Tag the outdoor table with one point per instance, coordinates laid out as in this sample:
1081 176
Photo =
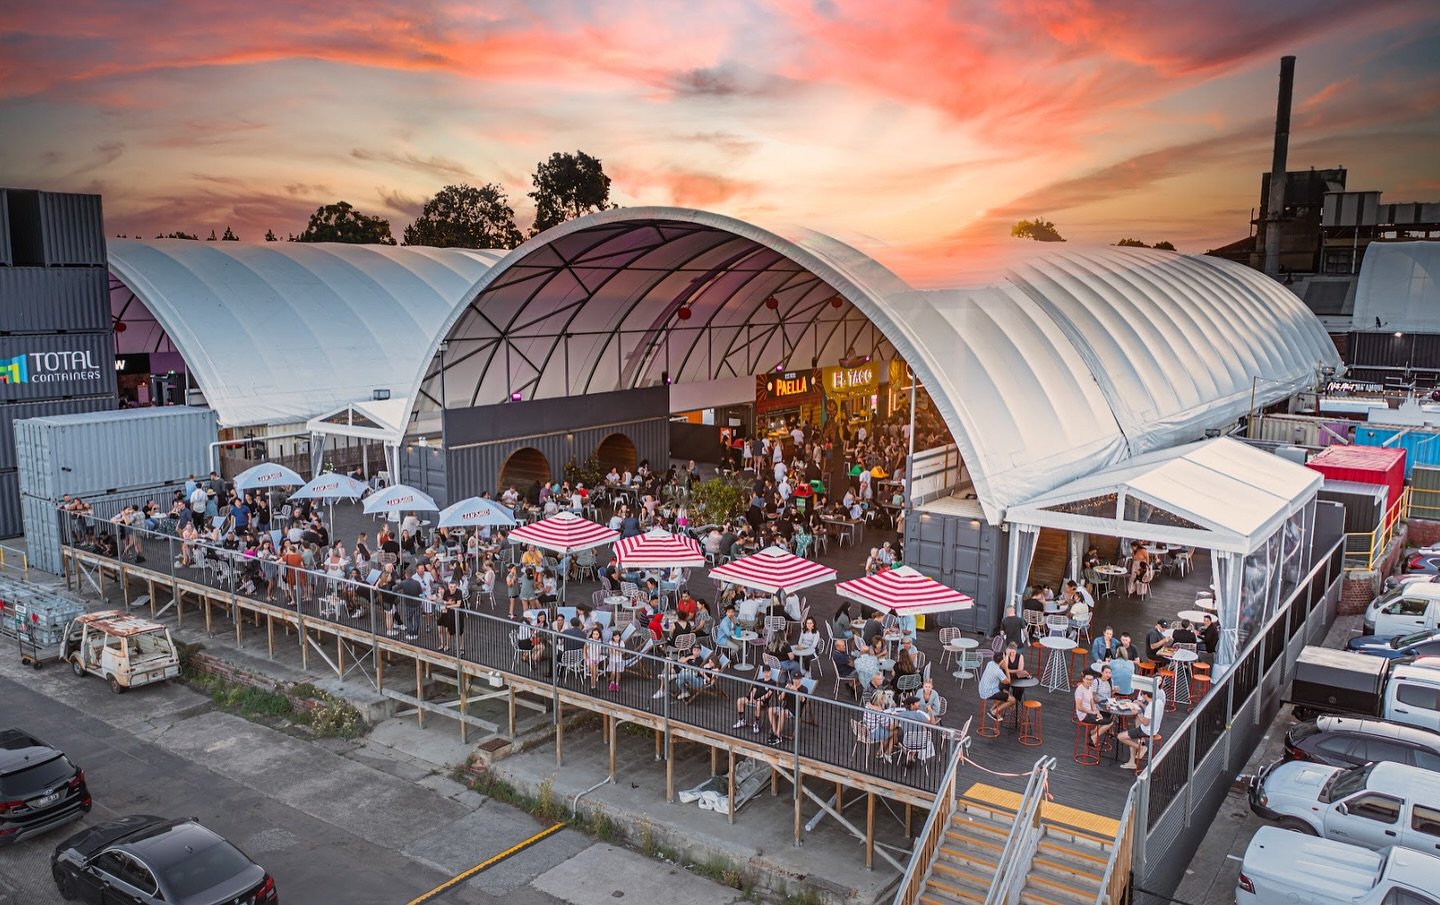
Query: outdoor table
1098 665
1111 572
850 525
802 651
1057 671
1055 608
1206 603
886 664
617 600
959 646
1195 616
744 639
1027 682
890 637
1180 661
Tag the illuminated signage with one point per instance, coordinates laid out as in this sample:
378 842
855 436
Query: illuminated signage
50 367
847 381
791 383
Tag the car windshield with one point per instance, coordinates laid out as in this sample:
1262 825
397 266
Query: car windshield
1345 782
1407 640
204 869
24 783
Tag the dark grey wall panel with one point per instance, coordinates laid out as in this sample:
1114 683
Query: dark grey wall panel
11 523
45 366
545 416
700 442
11 412
474 469
423 467
964 555
56 228
54 299
6 258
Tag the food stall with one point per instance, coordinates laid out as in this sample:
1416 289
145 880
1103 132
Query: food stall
851 394
784 399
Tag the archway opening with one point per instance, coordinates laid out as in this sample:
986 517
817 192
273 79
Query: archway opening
617 451
523 468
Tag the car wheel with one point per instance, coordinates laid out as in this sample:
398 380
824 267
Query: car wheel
64 883
115 686
1298 826
77 666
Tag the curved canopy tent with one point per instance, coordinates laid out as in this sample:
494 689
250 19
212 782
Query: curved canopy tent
1255 511
278 332
1399 288
1070 362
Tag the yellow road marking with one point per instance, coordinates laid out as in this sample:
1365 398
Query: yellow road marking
487 863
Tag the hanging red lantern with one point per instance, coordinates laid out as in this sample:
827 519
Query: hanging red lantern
121 326
772 303
836 301
683 313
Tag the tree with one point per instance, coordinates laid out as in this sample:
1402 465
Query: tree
567 186
1037 229
341 222
229 236
179 235
718 499
270 236
1163 246
1131 243
462 216
211 238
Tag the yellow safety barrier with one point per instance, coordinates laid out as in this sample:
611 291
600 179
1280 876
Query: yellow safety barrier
1363 550
8 556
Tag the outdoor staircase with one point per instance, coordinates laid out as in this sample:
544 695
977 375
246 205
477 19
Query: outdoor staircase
1068 867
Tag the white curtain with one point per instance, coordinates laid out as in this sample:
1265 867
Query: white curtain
1227 569
1079 541
317 453
1023 539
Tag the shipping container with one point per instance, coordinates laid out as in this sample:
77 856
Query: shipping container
10 412
950 540
42 520
1304 430
11 524
6 257
1416 351
1364 465
1365 504
57 367
54 299
1425 492
105 452
56 228
1421 445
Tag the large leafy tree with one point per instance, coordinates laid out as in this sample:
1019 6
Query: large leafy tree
567 186
1039 229
341 222
463 216
1164 246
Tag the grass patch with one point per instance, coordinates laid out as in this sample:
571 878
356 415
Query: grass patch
242 700
329 717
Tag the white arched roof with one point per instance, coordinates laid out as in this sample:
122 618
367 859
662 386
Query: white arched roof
1399 288
1071 361
279 332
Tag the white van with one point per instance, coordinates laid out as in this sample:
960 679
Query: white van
125 650
1406 609
1282 868
1375 806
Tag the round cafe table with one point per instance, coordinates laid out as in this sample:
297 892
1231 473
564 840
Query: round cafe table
802 651
1180 661
959 646
1196 617
1114 573
1057 671
617 600
1206 603
744 638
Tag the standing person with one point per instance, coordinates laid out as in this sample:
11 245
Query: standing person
615 660
1012 626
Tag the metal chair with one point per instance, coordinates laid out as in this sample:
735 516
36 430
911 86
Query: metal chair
1058 625
908 683
947 654
572 663
1081 625
860 735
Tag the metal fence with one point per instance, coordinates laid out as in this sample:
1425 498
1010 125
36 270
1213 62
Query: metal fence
820 729
1182 789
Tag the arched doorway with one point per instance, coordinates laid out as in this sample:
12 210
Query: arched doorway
523 468
617 451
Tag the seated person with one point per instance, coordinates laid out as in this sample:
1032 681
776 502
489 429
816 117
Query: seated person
784 703
1088 712
1185 634
994 688
1122 675
690 681
931 700
754 702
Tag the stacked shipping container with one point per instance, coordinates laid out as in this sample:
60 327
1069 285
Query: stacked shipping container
57 346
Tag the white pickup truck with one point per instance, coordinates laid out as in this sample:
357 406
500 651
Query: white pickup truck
1283 868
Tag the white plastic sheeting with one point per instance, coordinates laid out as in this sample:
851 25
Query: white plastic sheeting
281 331
1399 287
1072 361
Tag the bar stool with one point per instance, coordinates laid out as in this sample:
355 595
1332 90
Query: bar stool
1084 752
1079 662
1199 686
1145 667
989 725
1166 683
1032 729
1140 759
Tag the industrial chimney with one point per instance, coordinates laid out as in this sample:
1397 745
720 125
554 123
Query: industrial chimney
1276 208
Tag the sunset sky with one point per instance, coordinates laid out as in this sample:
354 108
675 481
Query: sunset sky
918 129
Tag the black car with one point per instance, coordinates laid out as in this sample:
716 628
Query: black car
39 787
150 860
1422 563
1351 741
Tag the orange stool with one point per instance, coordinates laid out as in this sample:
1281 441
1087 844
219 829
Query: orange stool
1166 683
1157 741
1145 668
1199 687
1200 666
1079 662
1085 752
989 725
1032 730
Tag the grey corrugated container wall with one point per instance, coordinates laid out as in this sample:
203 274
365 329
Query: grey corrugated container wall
59 366
56 228
10 412
110 451
42 520
6 257
54 299
10 522
1425 492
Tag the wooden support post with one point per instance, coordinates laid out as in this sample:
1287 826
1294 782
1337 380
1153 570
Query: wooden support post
869 830
559 733
305 654
150 588
270 634
670 776
179 597
239 627
774 783
125 584
714 760
908 808
839 797
731 780
799 820
464 695
419 692
379 670
614 729
657 744
512 711
100 571
339 658
205 599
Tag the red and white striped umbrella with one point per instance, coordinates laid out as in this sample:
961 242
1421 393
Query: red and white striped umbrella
903 591
772 570
564 532
659 549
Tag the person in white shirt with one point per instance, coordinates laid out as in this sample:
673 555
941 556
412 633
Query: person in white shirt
798 436
856 511
777 453
783 488
510 497
865 477
861 434
1147 724
613 477
848 500
780 471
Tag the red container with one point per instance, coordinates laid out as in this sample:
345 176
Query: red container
1365 465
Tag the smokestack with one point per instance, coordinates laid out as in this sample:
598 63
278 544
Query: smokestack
1277 167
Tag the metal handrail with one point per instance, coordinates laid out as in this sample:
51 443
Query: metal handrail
923 853
1026 830
24 560
1368 547
1123 847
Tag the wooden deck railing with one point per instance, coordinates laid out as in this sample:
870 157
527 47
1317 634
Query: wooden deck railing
1117 872
922 855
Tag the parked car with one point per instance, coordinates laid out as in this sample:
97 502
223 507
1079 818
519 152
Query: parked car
1415 644
1422 562
1407 609
1343 682
127 651
1346 741
150 860
1283 868
40 788
1395 581
1376 806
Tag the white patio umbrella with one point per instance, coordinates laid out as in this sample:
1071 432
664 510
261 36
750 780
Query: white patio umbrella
331 487
399 498
475 512
267 475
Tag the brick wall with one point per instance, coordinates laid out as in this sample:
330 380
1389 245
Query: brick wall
1356 592
1423 532
234 675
